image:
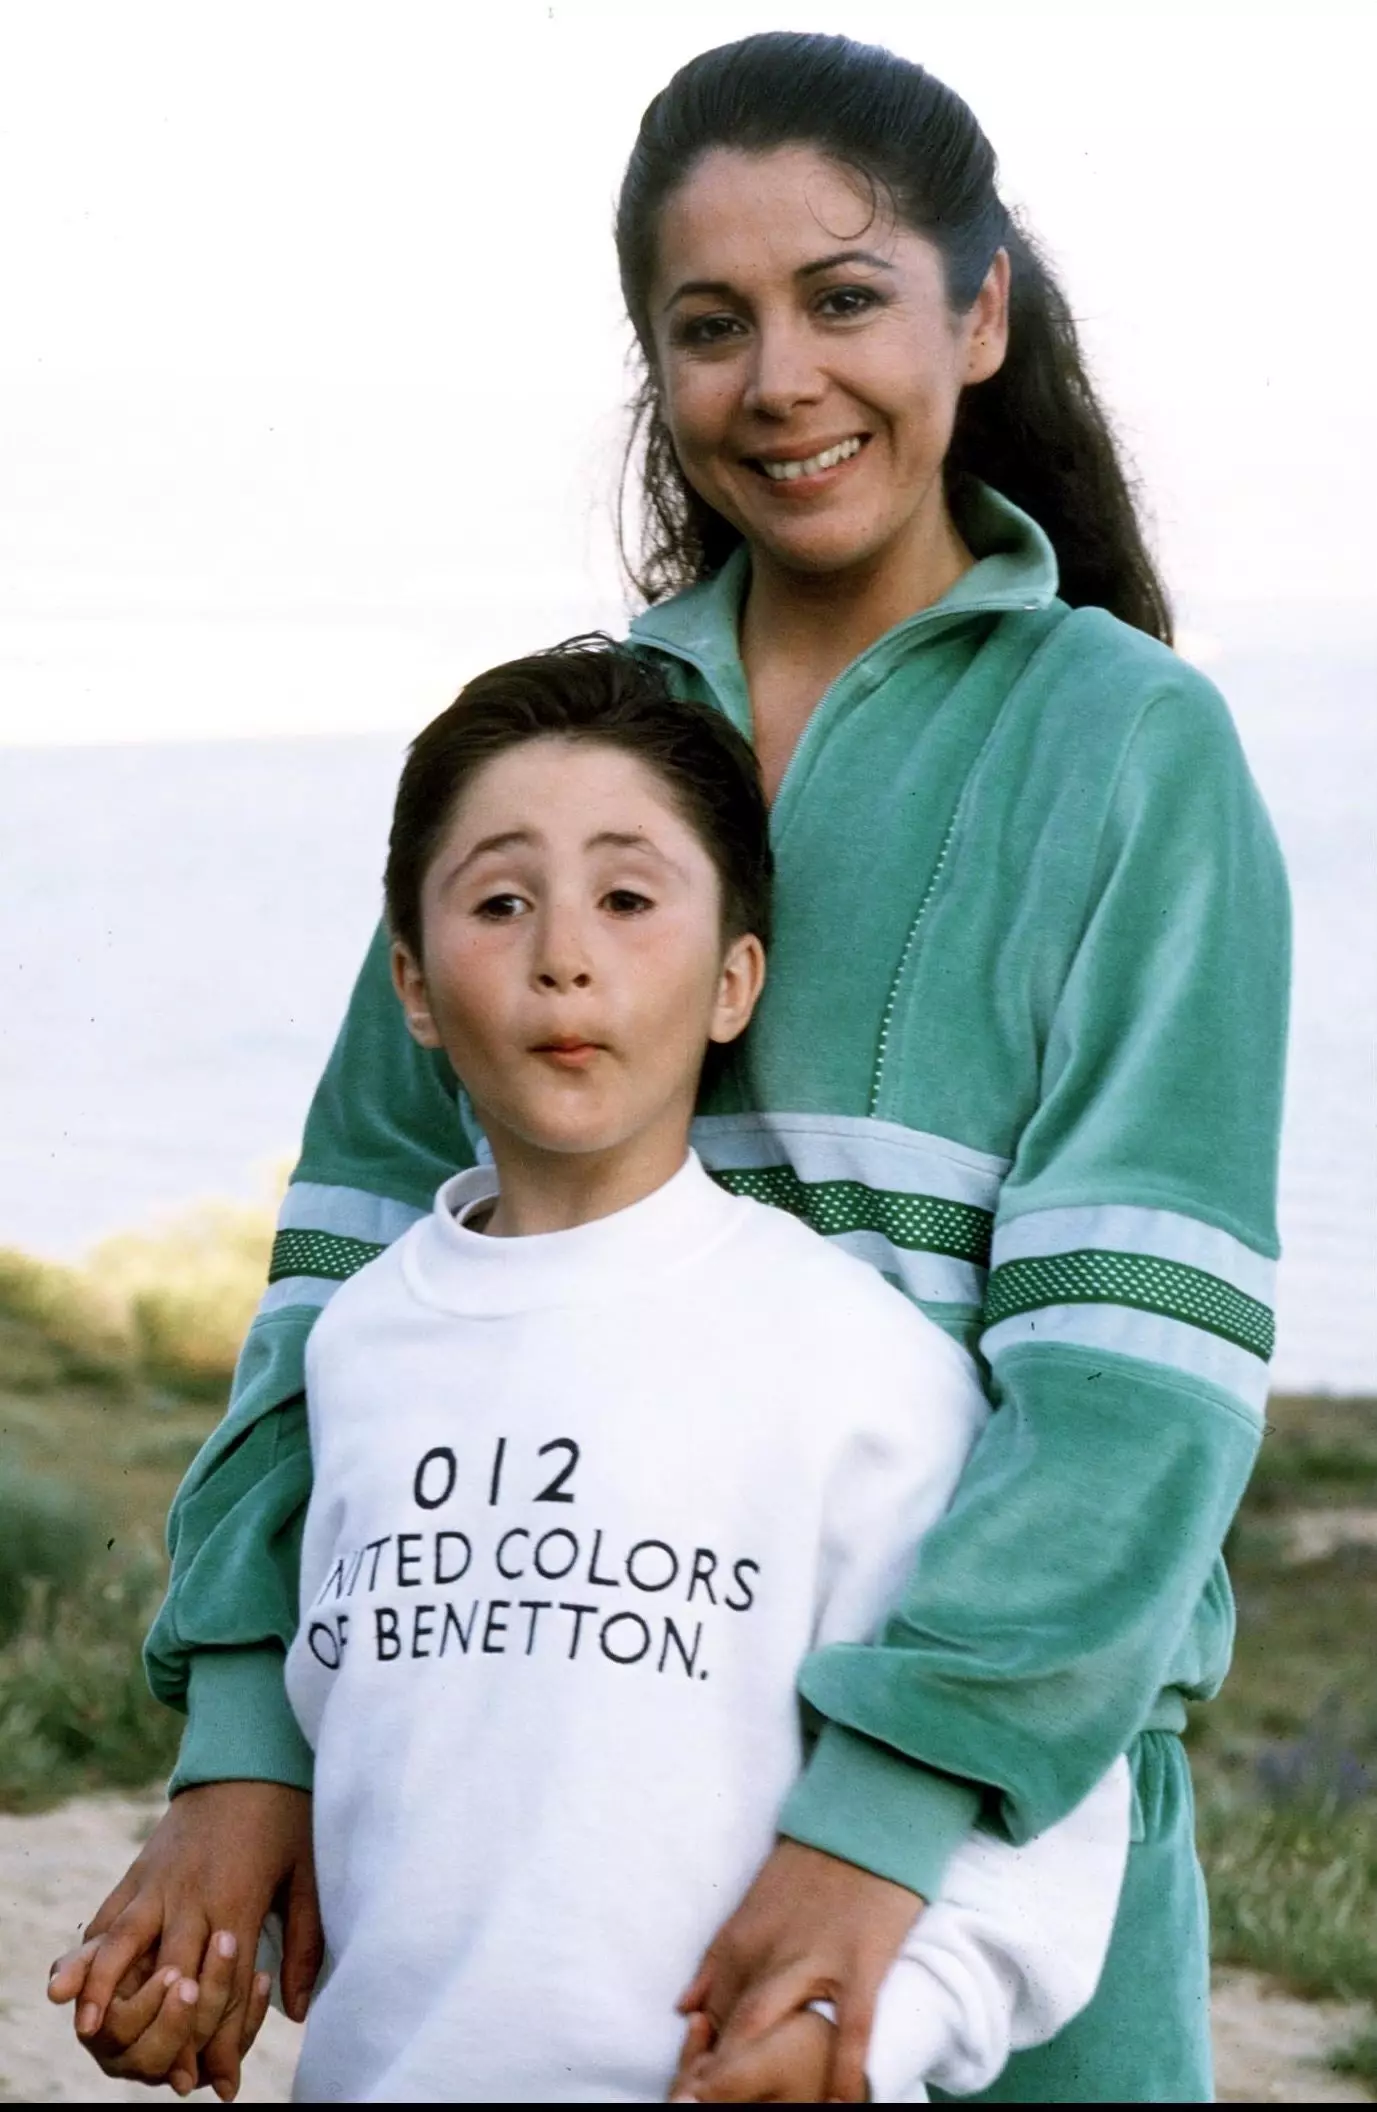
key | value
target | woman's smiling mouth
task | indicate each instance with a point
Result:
(786, 470)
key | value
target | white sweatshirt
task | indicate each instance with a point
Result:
(582, 1503)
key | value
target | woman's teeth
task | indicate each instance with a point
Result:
(786, 472)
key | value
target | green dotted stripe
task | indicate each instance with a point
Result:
(328, 1254)
(1095, 1276)
(922, 1223)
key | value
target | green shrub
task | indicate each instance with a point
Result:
(75, 1712)
(1293, 1889)
(47, 1538)
(188, 1291)
(1359, 2057)
(56, 1325)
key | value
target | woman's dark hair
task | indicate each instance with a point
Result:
(587, 690)
(1035, 430)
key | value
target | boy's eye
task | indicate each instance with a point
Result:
(498, 909)
(625, 902)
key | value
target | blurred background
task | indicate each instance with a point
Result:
(311, 374)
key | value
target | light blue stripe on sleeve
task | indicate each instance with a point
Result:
(1120, 1330)
(1120, 1228)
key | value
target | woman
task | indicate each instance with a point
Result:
(1021, 1047)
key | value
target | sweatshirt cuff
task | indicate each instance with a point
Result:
(869, 1805)
(919, 2024)
(240, 1726)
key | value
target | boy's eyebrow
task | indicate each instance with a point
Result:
(722, 289)
(618, 840)
(500, 842)
(614, 839)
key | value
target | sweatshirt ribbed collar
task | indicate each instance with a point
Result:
(1015, 568)
(461, 1271)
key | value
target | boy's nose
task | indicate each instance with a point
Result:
(561, 959)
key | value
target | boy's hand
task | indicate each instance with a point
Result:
(156, 2021)
(810, 1928)
(789, 2065)
(220, 1856)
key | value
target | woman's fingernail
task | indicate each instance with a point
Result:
(187, 1991)
(262, 1984)
(227, 1944)
(87, 2018)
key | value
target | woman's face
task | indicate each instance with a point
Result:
(809, 362)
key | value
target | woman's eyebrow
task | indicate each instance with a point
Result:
(723, 290)
(845, 256)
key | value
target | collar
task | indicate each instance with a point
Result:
(1015, 568)
(462, 1271)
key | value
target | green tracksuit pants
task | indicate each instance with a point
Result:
(1145, 2039)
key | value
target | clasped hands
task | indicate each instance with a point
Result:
(166, 1989)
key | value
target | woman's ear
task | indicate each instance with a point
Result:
(739, 986)
(410, 986)
(987, 322)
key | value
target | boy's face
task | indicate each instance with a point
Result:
(574, 969)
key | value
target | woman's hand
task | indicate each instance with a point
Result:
(811, 1928)
(791, 2065)
(217, 1861)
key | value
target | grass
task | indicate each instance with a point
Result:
(1359, 2057)
(111, 1375)
(75, 1713)
(1286, 1759)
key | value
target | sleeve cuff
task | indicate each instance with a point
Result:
(918, 2023)
(240, 1725)
(867, 1804)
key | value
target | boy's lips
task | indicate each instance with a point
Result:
(568, 1050)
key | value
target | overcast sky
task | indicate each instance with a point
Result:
(311, 360)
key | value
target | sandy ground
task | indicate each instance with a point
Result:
(54, 1870)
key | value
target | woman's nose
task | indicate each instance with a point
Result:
(784, 371)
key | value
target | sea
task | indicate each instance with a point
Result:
(180, 924)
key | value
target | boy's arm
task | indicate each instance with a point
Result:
(1010, 1951)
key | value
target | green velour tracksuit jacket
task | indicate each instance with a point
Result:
(1021, 1047)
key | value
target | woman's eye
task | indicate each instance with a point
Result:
(499, 909)
(845, 301)
(701, 331)
(625, 902)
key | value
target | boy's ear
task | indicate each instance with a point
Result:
(410, 986)
(739, 986)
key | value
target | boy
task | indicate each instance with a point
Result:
(601, 1452)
